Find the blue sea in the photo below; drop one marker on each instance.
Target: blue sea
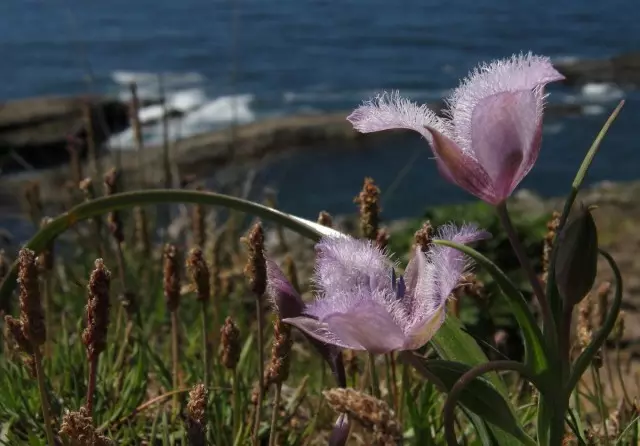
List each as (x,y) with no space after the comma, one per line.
(247,60)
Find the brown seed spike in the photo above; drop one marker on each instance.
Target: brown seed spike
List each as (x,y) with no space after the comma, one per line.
(325,219)
(113,219)
(552,228)
(171,274)
(78,426)
(230,342)
(94,336)
(424,237)
(196,415)
(369,201)
(278,370)
(370,412)
(382,239)
(291,272)
(199,271)
(31,314)
(14,330)
(256,267)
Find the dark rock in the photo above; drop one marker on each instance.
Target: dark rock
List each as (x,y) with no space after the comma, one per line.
(35,131)
(623,70)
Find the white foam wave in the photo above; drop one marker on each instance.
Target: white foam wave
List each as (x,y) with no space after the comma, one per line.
(601,92)
(220,110)
(199,116)
(592,110)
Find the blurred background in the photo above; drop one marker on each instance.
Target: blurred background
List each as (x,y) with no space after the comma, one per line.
(246,61)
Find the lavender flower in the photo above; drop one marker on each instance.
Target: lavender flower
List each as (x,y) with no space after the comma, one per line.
(491,137)
(362,305)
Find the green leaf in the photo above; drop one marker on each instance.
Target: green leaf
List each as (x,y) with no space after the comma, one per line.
(552,292)
(536,354)
(585,359)
(480,396)
(103,205)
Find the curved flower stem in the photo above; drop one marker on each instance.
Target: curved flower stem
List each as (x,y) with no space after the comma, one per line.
(505,220)
(468,377)
(124,200)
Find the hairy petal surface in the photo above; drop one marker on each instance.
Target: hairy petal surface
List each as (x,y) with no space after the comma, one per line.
(524,72)
(390,111)
(284,297)
(429,287)
(346,264)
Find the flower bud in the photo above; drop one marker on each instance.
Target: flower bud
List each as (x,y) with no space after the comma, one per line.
(577,261)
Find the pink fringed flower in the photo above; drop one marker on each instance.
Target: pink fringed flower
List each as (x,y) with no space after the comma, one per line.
(492,135)
(361,305)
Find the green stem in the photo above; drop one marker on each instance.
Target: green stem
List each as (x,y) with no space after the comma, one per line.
(466,379)
(568,204)
(237,426)
(42,388)
(595,373)
(536,286)
(175,357)
(586,357)
(274,416)
(205,343)
(125,200)
(375,384)
(91,386)
(256,426)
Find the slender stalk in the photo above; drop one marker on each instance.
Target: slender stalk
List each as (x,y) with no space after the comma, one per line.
(42,388)
(623,387)
(175,356)
(595,373)
(274,416)
(91,386)
(505,220)
(375,384)
(394,382)
(256,426)
(468,377)
(48,310)
(237,426)
(205,343)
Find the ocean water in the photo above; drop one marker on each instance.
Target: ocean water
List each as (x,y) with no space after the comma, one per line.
(245,60)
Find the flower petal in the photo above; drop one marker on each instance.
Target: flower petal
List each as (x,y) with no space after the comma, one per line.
(318,330)
(422,333)
(460,167)
(346,264)
(390,111)
(340,432)
(521,72)
(368,327)
(284,297)
(430,282)
(504,127)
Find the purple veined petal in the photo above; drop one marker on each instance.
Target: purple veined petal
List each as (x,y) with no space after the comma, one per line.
(431,278)
(520,72)
(390,111)
(340,432)
(504,126)
(284,297)
(369,327)
(422,333)
(319,330)
(461,168)
(530,156)
(344,264)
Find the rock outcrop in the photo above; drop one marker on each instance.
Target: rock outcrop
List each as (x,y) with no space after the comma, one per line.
(35,131)
(623,70)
